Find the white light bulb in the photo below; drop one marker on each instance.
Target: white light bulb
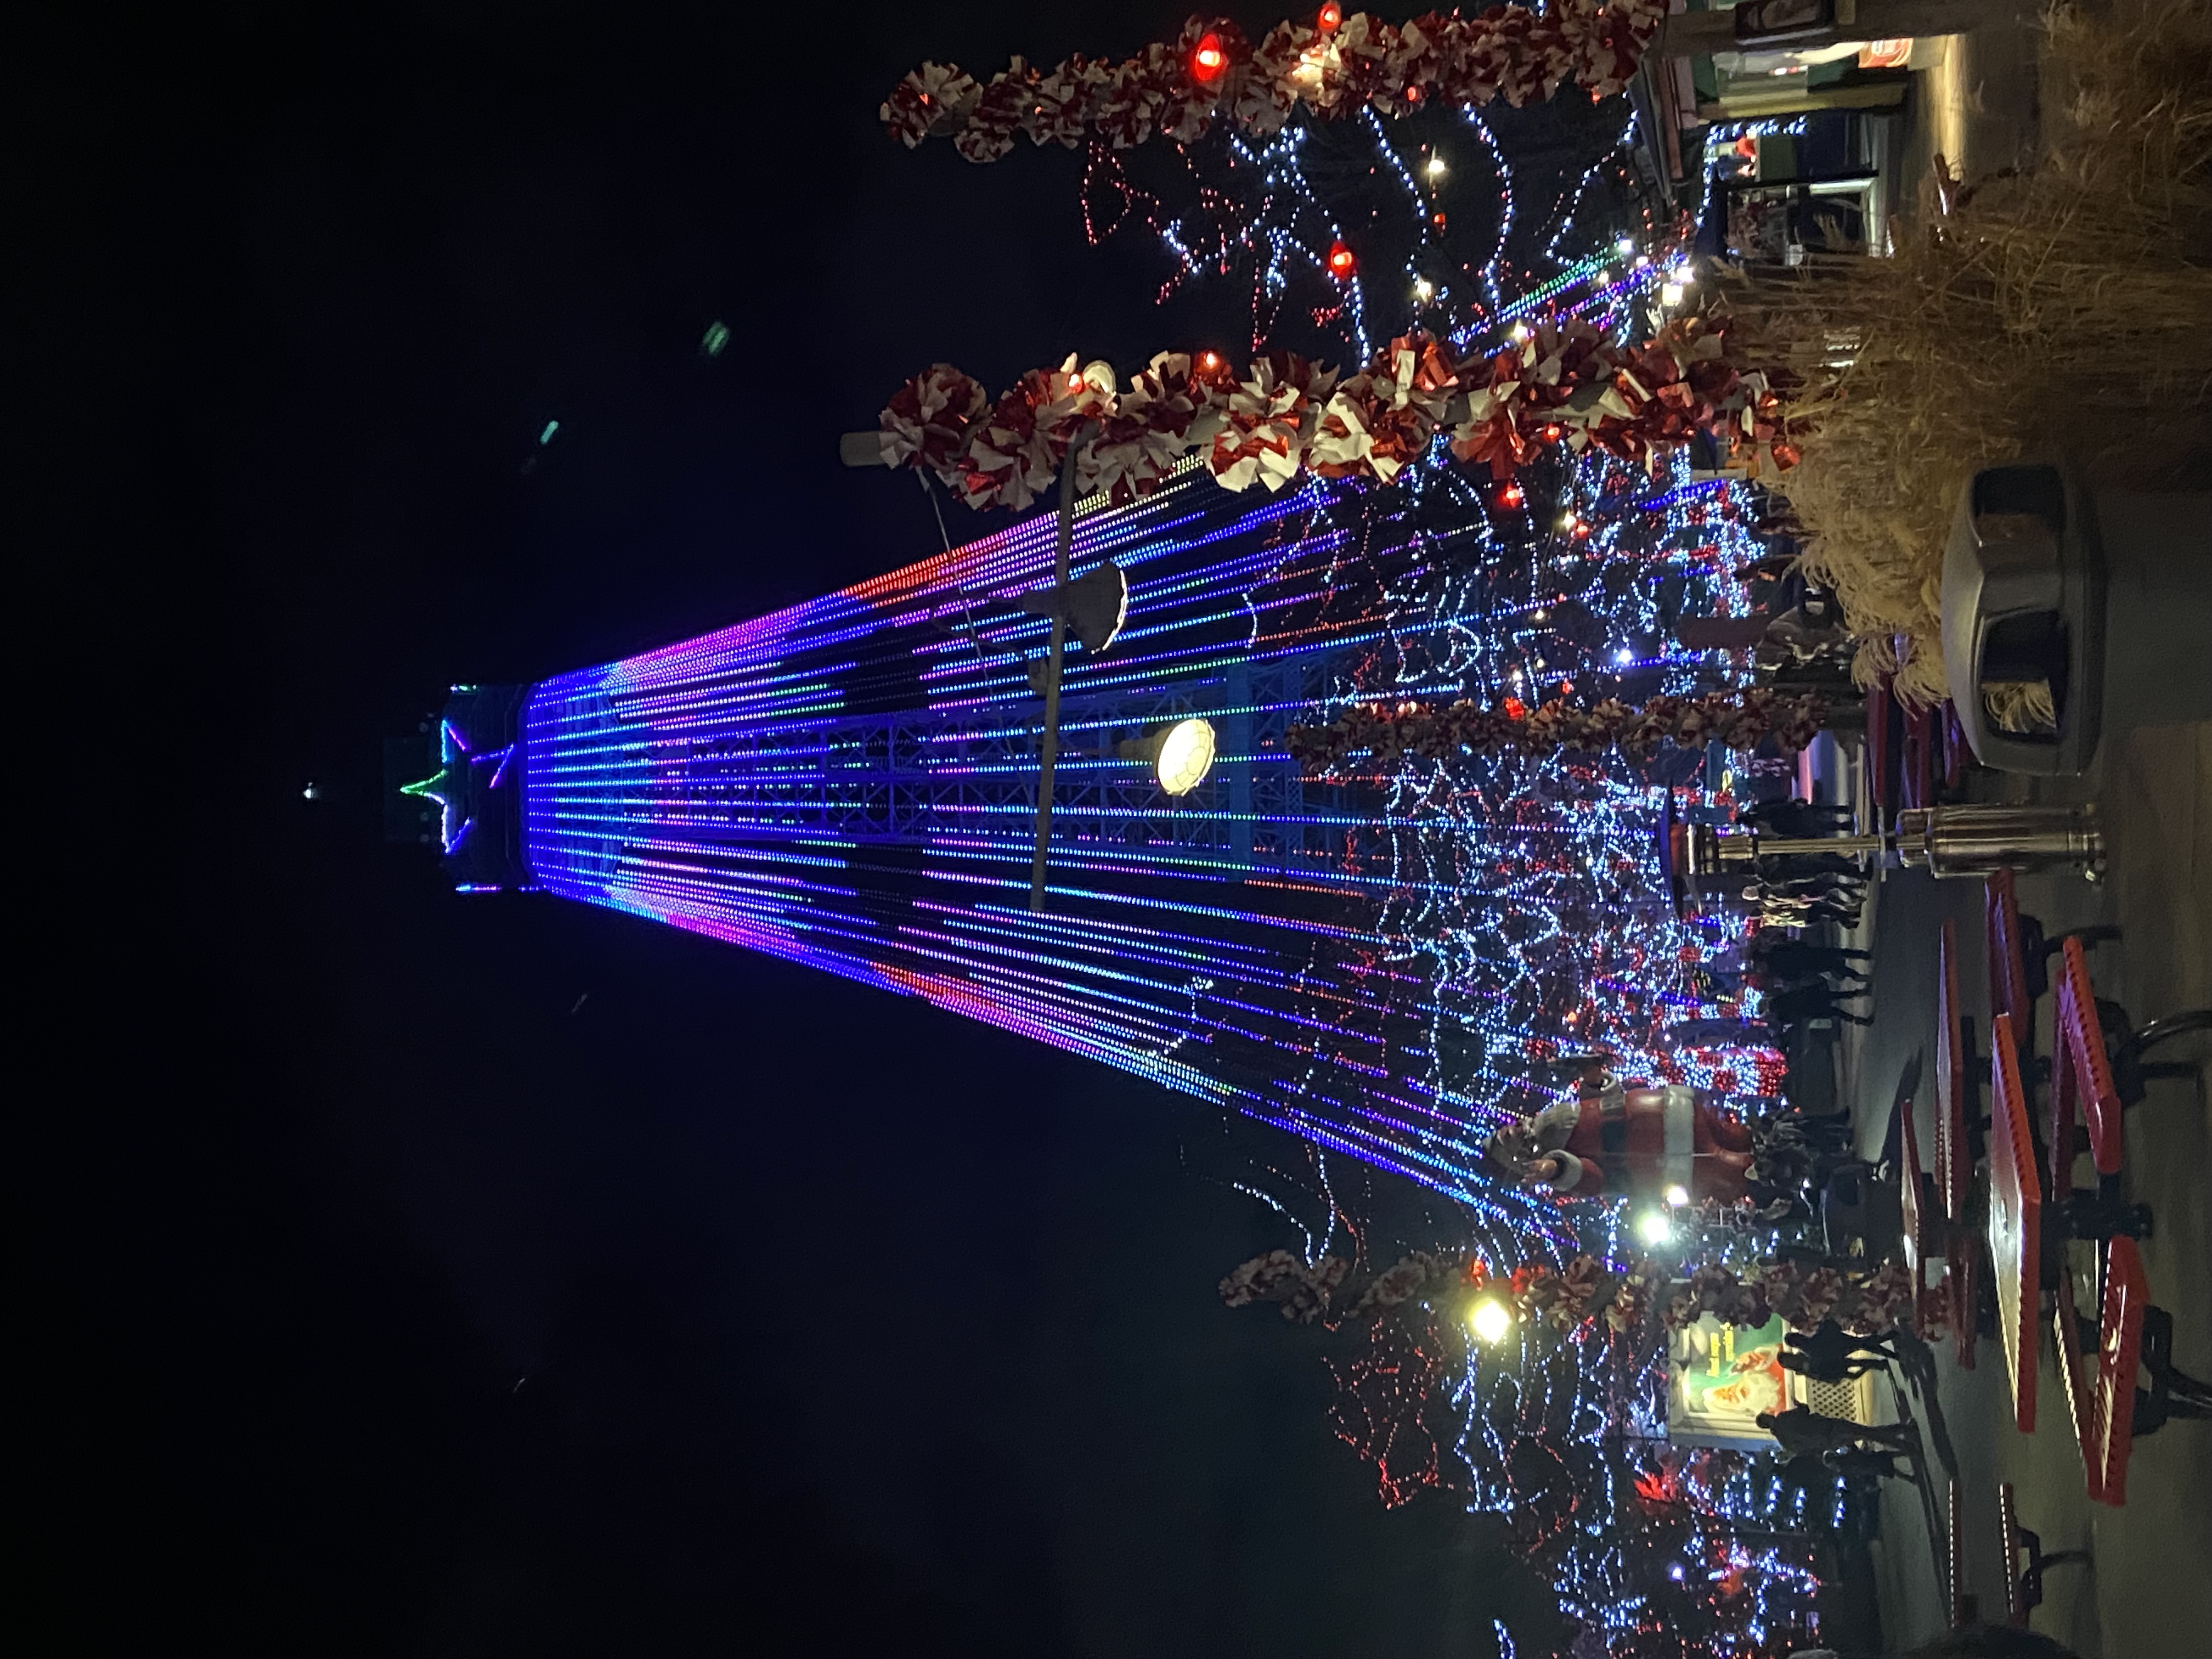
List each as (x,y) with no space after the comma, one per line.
(1624,247)
(1185,756)
(1653,1228)
(1436,167)
(1490,1320)
(1423,288)
(1677,1197)
(1671,293)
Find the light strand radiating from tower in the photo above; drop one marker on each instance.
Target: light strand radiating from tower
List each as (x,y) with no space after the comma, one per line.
(851,783)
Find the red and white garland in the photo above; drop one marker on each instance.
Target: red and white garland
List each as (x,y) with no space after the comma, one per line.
(1390,734)
(1584,1290)
(1566,384)
(1333,66)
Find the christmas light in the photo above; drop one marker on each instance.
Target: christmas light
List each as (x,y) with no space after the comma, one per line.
(1208,60)
(737,784)
(1490,1320)
(1331,15)
(1339,260)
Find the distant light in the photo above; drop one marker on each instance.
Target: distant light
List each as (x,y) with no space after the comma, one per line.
(1654,1227)
(1642,260)
(546,437)
(1624,247)
(717,337)
(1490,1320)
(311,792)
(1424,288)
(1436,167)
(1625,656)
(1678,1196)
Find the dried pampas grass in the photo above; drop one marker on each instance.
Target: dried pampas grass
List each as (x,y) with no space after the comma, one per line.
(2064,309)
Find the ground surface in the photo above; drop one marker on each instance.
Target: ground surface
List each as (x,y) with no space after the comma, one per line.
(2146,1590)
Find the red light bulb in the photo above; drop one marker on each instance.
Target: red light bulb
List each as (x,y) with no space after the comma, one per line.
(1209,60)
(1211,360)
(1510,496)
(1075,383)
(1414,93)
(1331,15)
(1339,260)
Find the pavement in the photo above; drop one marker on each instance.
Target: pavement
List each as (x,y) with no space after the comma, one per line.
(2147,1589)
(1976,105)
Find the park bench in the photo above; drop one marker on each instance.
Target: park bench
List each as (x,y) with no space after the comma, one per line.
(1916,759)
(1880,702)
(2014,1221)
(2024,1580)
(1923,1228)
(2101,1363)
(1955,748)
(1954,1157)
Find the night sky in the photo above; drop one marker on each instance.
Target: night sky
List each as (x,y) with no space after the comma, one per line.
(411,1273)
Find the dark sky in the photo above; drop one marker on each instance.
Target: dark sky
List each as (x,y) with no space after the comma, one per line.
(381,1299)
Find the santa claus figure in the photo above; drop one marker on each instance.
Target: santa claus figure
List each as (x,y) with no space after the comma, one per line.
(1634,1139)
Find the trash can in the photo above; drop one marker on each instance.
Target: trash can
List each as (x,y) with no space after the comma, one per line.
(2071,611)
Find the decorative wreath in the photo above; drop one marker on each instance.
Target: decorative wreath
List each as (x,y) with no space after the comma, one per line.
(1332,66)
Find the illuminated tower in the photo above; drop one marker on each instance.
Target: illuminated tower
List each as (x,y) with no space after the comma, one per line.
(851,783)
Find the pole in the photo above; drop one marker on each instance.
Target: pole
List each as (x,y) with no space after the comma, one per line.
(1049,755)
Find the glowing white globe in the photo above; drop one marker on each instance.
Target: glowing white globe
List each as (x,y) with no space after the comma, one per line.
(1186,756)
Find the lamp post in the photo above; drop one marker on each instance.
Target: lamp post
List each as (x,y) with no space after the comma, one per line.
(1055,658)
(1179,753)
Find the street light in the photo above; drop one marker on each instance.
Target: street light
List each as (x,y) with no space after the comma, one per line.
(1180,753)
(1490,1320)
